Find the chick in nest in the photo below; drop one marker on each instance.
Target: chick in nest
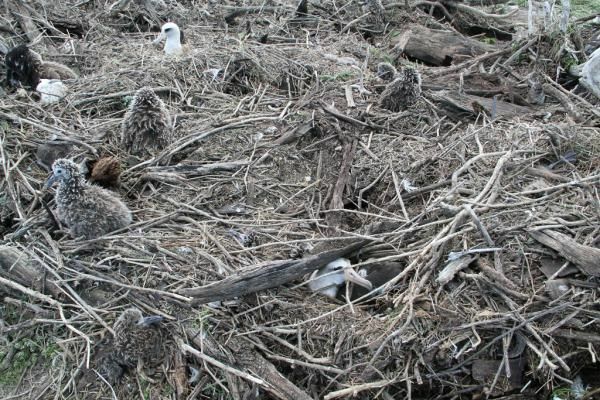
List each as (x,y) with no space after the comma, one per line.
(376,12)
(173,37)
(26,67)
(403,91)
(105,171)
(138,339)
(386,71)
(87,210)
(146,127)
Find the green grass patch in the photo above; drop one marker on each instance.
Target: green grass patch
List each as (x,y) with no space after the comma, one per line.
(341,77)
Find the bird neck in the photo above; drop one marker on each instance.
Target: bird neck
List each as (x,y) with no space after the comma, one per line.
(74,186)
(173,44)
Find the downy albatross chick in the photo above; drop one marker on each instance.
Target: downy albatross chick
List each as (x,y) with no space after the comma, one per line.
(403,91)
(146,127)
(87,210)
(26,67)
(173,35)
(137,338)
(331,277)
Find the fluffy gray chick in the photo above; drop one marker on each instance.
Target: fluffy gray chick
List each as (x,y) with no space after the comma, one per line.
(403,91)
(87,210)
(386,71)
(146,127)
(138,338)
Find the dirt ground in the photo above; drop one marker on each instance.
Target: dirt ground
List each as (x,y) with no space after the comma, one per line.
(479,203)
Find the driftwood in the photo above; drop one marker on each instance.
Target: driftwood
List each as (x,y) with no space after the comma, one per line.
(584,257)
(458,106)
(263,277)
(439,48)
(17,266)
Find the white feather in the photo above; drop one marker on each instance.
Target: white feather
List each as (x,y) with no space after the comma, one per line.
(52,90)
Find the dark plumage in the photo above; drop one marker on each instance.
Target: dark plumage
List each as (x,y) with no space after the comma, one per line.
(403,91)
(146,127)
(386,71)
(138,338)
(105,171)
(26,67)
(87,210)
(378,275)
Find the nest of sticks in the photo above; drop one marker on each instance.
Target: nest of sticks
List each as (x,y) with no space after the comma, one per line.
(284,160)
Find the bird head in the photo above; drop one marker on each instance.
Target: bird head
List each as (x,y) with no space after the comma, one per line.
(144,95)
(62,170)
(171,32)
(328,279)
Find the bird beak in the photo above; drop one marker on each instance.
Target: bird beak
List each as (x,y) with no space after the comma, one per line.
(160,38)
(51,180)
(352,276)
(151,320)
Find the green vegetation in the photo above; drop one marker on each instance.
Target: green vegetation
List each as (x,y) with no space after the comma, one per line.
(488,40)
(27,352)
(341,77)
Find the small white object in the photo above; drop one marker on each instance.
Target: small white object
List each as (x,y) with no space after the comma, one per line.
(52,90)
(407,186)
(170,31)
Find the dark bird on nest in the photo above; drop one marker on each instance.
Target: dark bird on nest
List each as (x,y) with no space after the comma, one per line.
(25,67)
(146,127)
(335,275)
(138,339)
(403,91)
(87,210)
(378,275)
(105,171)
(386,71)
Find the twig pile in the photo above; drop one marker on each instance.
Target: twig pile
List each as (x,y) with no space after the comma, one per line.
(283,161)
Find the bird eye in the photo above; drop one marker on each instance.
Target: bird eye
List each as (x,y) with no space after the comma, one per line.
(168,29)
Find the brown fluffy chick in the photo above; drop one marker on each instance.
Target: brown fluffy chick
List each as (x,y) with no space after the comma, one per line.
(403,91)
(87,210)
(105,171)
(146,128)
(26,67)
(138,339)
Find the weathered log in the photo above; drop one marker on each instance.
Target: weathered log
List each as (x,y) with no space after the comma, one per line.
(439,48)
(263,277)
(459,106)
(584,257)
(18,267)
